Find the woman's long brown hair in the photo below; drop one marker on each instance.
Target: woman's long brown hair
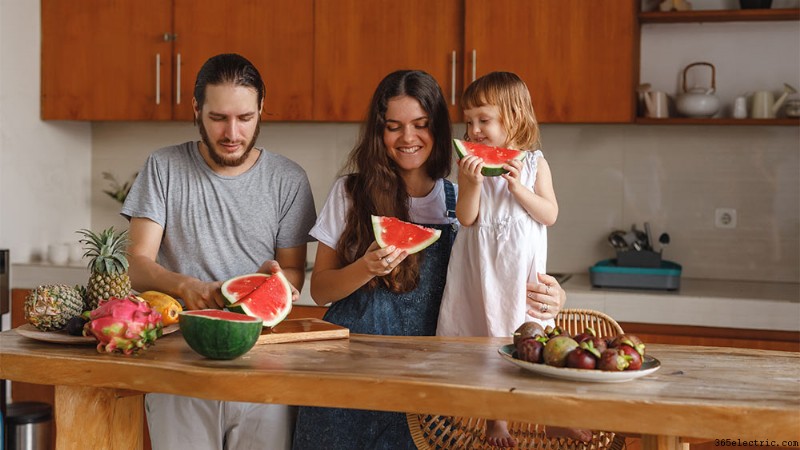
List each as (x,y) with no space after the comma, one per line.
(373,182)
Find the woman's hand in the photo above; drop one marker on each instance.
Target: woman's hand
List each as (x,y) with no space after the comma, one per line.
(381,261)
(546,298)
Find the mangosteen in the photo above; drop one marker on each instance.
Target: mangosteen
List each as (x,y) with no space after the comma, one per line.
(588,333)
(75,325)
(557,349)
(612,360)
(599,343)
(628,339)
(530,350)
(633,357)
(581,359)
(527,330)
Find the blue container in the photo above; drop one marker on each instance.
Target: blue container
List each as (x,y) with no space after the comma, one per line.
(607,273)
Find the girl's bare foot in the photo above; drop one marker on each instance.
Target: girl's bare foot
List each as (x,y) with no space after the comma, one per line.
(497,434)
(572,433)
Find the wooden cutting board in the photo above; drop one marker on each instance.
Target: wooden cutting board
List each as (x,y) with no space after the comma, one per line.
(297,330)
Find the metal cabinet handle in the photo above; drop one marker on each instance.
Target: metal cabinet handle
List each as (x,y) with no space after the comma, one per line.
(158,78)
(178,81)
(474,63)
(453,78)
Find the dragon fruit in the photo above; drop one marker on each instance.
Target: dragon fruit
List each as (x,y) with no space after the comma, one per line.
(127,325)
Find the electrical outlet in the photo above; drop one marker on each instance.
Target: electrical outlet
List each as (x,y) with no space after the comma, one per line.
(725,218)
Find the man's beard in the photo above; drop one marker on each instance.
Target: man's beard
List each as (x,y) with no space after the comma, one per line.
(221,160)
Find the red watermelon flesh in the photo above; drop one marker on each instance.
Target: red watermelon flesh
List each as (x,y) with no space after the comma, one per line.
(268,297)
(406,236)
(493,157)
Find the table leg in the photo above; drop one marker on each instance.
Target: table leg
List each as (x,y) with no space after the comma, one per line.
(87,417)
(650,442)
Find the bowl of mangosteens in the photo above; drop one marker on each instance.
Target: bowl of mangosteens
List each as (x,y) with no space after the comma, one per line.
(582,357)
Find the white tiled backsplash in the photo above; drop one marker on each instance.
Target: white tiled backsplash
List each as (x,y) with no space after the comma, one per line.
(606,177)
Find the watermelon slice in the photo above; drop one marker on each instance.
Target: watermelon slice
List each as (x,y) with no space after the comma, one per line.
(268,297)
(406,236)
(493,157)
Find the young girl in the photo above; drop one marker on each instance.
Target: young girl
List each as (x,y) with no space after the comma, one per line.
(502,244)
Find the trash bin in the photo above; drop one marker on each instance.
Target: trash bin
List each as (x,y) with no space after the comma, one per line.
(28,426)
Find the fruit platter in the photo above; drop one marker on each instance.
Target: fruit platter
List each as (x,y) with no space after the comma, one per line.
(584,357)
(63,337)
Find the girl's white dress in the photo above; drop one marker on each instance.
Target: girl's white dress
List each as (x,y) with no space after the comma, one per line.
(492,261)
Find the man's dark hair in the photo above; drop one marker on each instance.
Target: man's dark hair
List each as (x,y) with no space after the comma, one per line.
(227,68)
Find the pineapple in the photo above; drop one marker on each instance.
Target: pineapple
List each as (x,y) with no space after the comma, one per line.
(49,307)
(109,265)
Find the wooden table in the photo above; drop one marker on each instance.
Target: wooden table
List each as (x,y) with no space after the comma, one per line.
(704,392)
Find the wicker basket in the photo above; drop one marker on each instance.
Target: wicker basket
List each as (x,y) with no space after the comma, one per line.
(432,432)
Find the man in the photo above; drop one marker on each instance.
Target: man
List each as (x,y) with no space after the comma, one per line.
(203,212)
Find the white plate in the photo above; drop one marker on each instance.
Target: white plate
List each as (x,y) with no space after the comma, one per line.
(649,365)
(62,337)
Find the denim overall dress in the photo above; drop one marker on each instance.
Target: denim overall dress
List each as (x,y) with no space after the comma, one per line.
(380,311)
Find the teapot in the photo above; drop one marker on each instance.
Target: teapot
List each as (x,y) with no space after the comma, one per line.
(698,101)
(764,104)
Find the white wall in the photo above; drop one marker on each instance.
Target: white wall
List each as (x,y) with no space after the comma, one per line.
(45,167)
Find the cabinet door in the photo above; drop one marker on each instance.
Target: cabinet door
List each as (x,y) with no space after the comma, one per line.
(358,42)
(106,60)
(275,35)
(578,58)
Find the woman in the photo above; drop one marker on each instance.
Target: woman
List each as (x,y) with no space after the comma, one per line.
(397,168)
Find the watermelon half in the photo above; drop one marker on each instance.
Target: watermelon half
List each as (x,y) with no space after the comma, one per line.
(493,157)
(218,334)
(268,297)
(406,236)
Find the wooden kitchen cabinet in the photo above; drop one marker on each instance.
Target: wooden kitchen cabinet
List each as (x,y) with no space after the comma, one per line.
(106,60)
(358,42)
(276,36)
(579,59)
(120,60)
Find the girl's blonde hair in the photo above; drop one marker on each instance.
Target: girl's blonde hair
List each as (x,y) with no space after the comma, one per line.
(509,93)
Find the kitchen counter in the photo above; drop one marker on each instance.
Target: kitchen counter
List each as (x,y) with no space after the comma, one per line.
(710,303)
(704,392)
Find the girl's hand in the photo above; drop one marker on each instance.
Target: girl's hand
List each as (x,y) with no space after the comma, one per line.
(513,167)
(469,170)
(381,261)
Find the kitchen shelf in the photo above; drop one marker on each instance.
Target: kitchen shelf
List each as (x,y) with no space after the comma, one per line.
(715,121)
(726,15)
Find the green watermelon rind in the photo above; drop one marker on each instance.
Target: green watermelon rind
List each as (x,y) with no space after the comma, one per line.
(218,338)
(377,229)
(240,306)
(488,170)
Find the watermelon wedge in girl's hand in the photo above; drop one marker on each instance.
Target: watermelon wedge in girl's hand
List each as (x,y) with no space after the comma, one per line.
(268,297)
(406,236)
(493,157)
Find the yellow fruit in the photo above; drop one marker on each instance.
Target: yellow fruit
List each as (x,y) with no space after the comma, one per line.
(163,303)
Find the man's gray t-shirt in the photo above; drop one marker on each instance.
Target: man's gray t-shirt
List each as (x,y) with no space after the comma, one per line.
(217,227)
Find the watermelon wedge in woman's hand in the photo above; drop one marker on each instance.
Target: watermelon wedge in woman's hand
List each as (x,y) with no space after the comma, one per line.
(410,237)
(494,158)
